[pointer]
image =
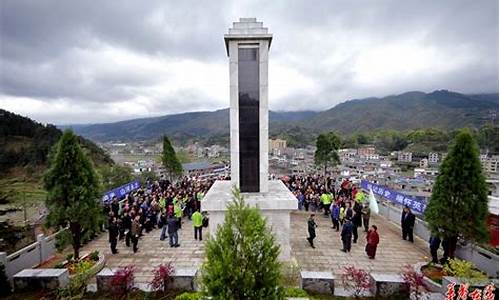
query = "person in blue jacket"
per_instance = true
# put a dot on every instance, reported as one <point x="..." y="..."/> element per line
<point x="434" y="244"/>
<point x="346" y="235"/>
<point x="335" y="214"/>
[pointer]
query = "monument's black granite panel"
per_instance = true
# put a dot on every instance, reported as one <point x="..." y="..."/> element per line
<point x="248" y="101"/>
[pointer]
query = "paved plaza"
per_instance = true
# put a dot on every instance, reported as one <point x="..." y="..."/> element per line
<point x="392" y="253"/>
<point x="153" y="252"/>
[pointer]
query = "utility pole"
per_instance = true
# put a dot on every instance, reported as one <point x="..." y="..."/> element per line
<point x="24" y="204"/>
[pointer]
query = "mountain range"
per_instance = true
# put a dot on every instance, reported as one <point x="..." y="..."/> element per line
<point x="412" y="110"/>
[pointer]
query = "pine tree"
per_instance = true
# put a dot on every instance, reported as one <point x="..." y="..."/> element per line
<point x="326" y="154"/>
<point x="170" y="160"/>
<point x="73" y="190"/>
<point x="459" y="201"/>
<point x="241" y="261"/>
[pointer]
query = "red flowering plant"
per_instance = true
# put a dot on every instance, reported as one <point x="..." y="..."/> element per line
<point x="414" y="280"/>
<point x="162" y="275"/>
<point x="123" y="280"/>
<point x="355" y="280"/>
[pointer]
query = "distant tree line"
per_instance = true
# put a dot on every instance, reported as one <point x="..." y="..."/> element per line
<point x="419" y="141"/>
<point x="422" y="141"/>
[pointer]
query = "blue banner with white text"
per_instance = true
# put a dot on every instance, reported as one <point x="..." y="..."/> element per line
<point x="121" y="191"/>
<point x="415" y="203"/>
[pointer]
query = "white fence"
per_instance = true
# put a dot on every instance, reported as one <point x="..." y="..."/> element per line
<point x="31" y="255"/>
<point x="482" y="258"/>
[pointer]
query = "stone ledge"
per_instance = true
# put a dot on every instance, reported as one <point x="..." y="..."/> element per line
<point x="41" y="278"/>
<point x="384" y="285"/>
<point x="317" y="282"/>
<point x="184" y="279"/>
<point x="277" y="198"/>
<point x="104" y="277"/>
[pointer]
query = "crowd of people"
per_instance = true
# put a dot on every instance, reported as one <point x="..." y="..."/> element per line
<point x="342" y="202"/>
<point x="162" y="204"/>
<point x="349" y="210"/>
<point x="158" y="204"/>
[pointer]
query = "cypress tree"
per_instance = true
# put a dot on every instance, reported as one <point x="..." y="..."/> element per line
<point x="170" y="160"/>
<point x="241" y="261"/>
<point x="73" y="190"/>
<point x="459" y="203"/>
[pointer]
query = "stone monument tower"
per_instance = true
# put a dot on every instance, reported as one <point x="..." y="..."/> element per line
<point x="247" y="45"/>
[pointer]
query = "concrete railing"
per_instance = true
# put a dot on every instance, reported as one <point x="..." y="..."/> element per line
<point x="393" y="214"/>
<point x="31" y="255"/>
<point x="483" y="259"/>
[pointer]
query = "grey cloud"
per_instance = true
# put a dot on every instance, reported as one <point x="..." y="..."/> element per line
<point x="41" y="44"/>
<point x="49" y="28"/>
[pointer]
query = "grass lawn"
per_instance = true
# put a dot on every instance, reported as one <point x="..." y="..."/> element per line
<point x="120" y="158"/>
<point x="19" y="193"/>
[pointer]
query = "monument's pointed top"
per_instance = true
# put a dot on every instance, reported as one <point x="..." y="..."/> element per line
<point x="248" y="29"/>
<point x="248" y="19"/>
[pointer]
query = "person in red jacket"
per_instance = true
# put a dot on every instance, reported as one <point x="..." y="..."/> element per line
<point x="354" y="191"/>
<point x="372" y="240"/>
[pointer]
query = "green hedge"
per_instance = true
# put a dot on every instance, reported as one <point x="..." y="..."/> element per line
<point x="188" y="296"/>
<point x="295" y="292"/>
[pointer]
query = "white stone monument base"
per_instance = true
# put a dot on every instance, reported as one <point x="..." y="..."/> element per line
<point x="275" y="205"/>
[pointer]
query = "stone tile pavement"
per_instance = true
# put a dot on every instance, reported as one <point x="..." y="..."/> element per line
<point x="392" y="253"/>
<point x="153" y="252"/>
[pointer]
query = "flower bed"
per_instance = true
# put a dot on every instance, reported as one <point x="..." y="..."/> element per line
<point x="433" y="272"/>
<point x="430" y="284"/>
<point x="84" y="269"/>
<point x="97" y="260"/>
<point x="89" y="264"/>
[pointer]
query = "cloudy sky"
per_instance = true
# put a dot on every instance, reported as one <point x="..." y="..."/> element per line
<point x="102" y="61"/>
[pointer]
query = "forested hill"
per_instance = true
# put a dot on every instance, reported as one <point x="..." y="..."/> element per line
<point x="443" y="110"/>
<point x="180" y="127"/>
<point x="24" y="142"/>
<point x="440" y="109"/>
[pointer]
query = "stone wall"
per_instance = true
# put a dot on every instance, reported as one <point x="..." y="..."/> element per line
<point x="317" y="282"/>
<point x="385" y="285"/>
<point x="32" y="279"/>
<point x="30" y="256"/>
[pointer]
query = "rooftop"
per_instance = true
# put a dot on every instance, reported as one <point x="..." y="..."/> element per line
<point x="196" y="166"/>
